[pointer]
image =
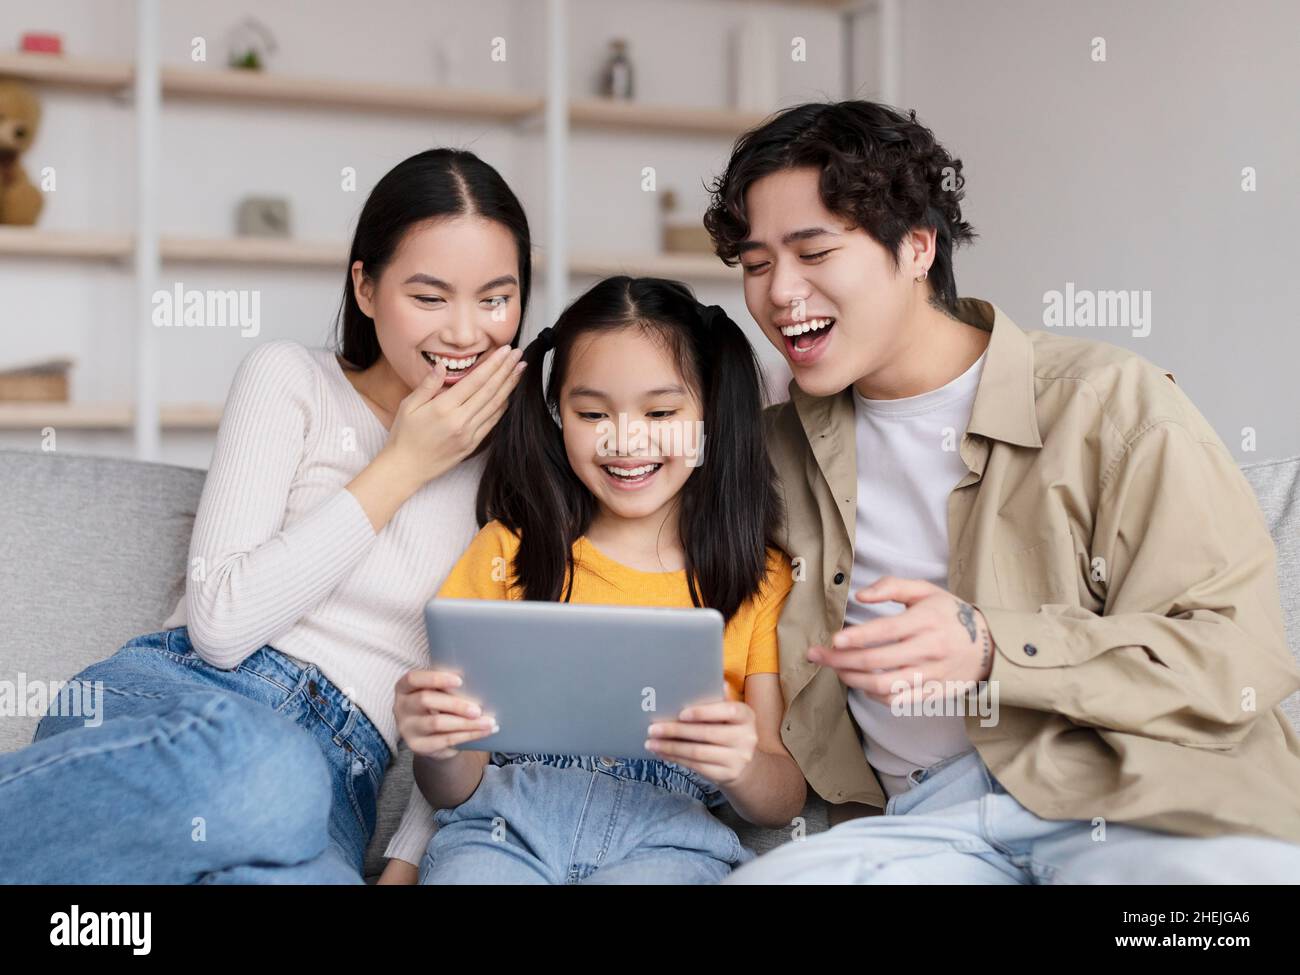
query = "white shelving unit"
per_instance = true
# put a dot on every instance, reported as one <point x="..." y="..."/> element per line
<point x="148" y="83"/>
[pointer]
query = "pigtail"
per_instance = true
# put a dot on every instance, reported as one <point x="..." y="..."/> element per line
<point x="732" y="509"/>
<point x="529" y="487"/>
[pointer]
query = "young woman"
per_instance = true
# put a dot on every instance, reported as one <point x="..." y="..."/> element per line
<point x="579" y="516"/>
<point x="248" y="742"/>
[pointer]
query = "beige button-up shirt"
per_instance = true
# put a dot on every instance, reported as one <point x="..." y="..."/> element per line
<point x="1127" y="577"/>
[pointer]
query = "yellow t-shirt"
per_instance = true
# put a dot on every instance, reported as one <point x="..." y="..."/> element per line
<point x="749" y="645"/>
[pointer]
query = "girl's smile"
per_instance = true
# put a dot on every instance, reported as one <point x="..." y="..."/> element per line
<point x="632" y="475"/>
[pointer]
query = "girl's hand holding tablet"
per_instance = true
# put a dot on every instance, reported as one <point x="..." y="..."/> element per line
<point x="432" y="718"/>
<point x="717" y="740"/>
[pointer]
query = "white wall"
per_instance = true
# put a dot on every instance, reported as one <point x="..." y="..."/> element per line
<point x="214" y="153"/>
<point x="1122" y="174"/>
<point x="1127" y="175"/>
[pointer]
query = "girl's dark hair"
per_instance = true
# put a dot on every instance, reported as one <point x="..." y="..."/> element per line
<point x="729" y="504"/>
<point x="880" y="170"/>
<point x="432" y="184"/>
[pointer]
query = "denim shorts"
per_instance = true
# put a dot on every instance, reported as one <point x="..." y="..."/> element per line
<point x="567" y="819"/>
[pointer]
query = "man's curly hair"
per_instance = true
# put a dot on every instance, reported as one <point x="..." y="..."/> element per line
<point x="880" y="170"/>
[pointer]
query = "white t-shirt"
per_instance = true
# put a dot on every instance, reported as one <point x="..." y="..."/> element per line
<point x="908" y="464"/>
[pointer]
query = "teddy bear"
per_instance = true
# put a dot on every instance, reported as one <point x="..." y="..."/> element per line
<point x="20" y="113"/>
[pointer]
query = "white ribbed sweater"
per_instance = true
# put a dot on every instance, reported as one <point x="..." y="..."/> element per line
<point x="282" y="554"/>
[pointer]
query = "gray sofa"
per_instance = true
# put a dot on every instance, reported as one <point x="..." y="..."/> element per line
<point x="94" y="553"/>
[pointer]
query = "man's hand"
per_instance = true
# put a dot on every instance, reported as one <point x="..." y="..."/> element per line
<point x="937" y="637"/>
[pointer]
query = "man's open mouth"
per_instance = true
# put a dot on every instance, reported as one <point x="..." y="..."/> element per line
<point x="804" y="340"/>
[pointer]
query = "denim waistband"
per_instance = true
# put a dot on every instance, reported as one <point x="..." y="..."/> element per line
<point x="933" y="778"/>
<point x="918" y="776"/>
<point x="343" y="716"/>
<point x="665" y="775"/>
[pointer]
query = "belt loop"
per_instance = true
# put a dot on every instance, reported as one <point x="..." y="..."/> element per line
<point x="349" y="723"/>
<point x="300" y="687"/>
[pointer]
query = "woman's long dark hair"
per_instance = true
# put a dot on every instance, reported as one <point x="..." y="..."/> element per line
<point x="729" y="504"/>
<point x="432" y="184"/>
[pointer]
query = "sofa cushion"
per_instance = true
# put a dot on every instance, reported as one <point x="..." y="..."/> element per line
<point x="94" y="554"/>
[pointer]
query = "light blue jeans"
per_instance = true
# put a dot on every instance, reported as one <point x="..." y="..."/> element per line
<point x="958" y="825"/>
<point x="261" y="774"/>
<point x="566" y="819"/>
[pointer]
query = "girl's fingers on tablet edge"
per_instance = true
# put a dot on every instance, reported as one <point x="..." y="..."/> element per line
<point x="445" y="723"/>
<point x="711" y="734"/>
<point x="420" y="679"/>
<point x="435" y="701"/>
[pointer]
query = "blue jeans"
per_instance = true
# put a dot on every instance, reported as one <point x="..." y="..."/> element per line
<point x="958" y="825"/>
<point x="261" y="774"/>
<point x="565" y="819"/>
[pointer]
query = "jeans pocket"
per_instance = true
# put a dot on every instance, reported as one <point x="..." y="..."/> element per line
<point x="173" y="644"/>
<point x="177" y="641"/>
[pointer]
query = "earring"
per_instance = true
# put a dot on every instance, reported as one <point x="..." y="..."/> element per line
<point x="924" y="274"/>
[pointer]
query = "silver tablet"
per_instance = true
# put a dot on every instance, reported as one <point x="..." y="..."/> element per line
<point x="576" y="680"/>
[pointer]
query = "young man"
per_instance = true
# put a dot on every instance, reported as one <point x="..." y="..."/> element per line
<point x="1049" y="515"/>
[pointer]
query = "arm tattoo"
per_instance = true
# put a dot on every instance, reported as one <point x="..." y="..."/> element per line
<point x="966" y="613"/>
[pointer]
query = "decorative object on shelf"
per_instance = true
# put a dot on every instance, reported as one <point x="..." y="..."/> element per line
<point x="616" y="75"/>
<point x="251" y="45"/>
<point x="753" y="67"/>
<point x="20" y="114"/>
<point x="681" y="235"/>
<point x="40" y="382"/>
<point x="38" y="42"/>
<point x="260" y="216"/>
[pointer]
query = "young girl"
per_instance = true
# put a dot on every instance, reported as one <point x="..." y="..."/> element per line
<point x="581" y="517"/>
<point x="341" y="491"/>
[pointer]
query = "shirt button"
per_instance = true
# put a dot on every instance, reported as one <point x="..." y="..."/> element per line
<point x="1030" y="649"/>
<point x="839" y="577"/>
